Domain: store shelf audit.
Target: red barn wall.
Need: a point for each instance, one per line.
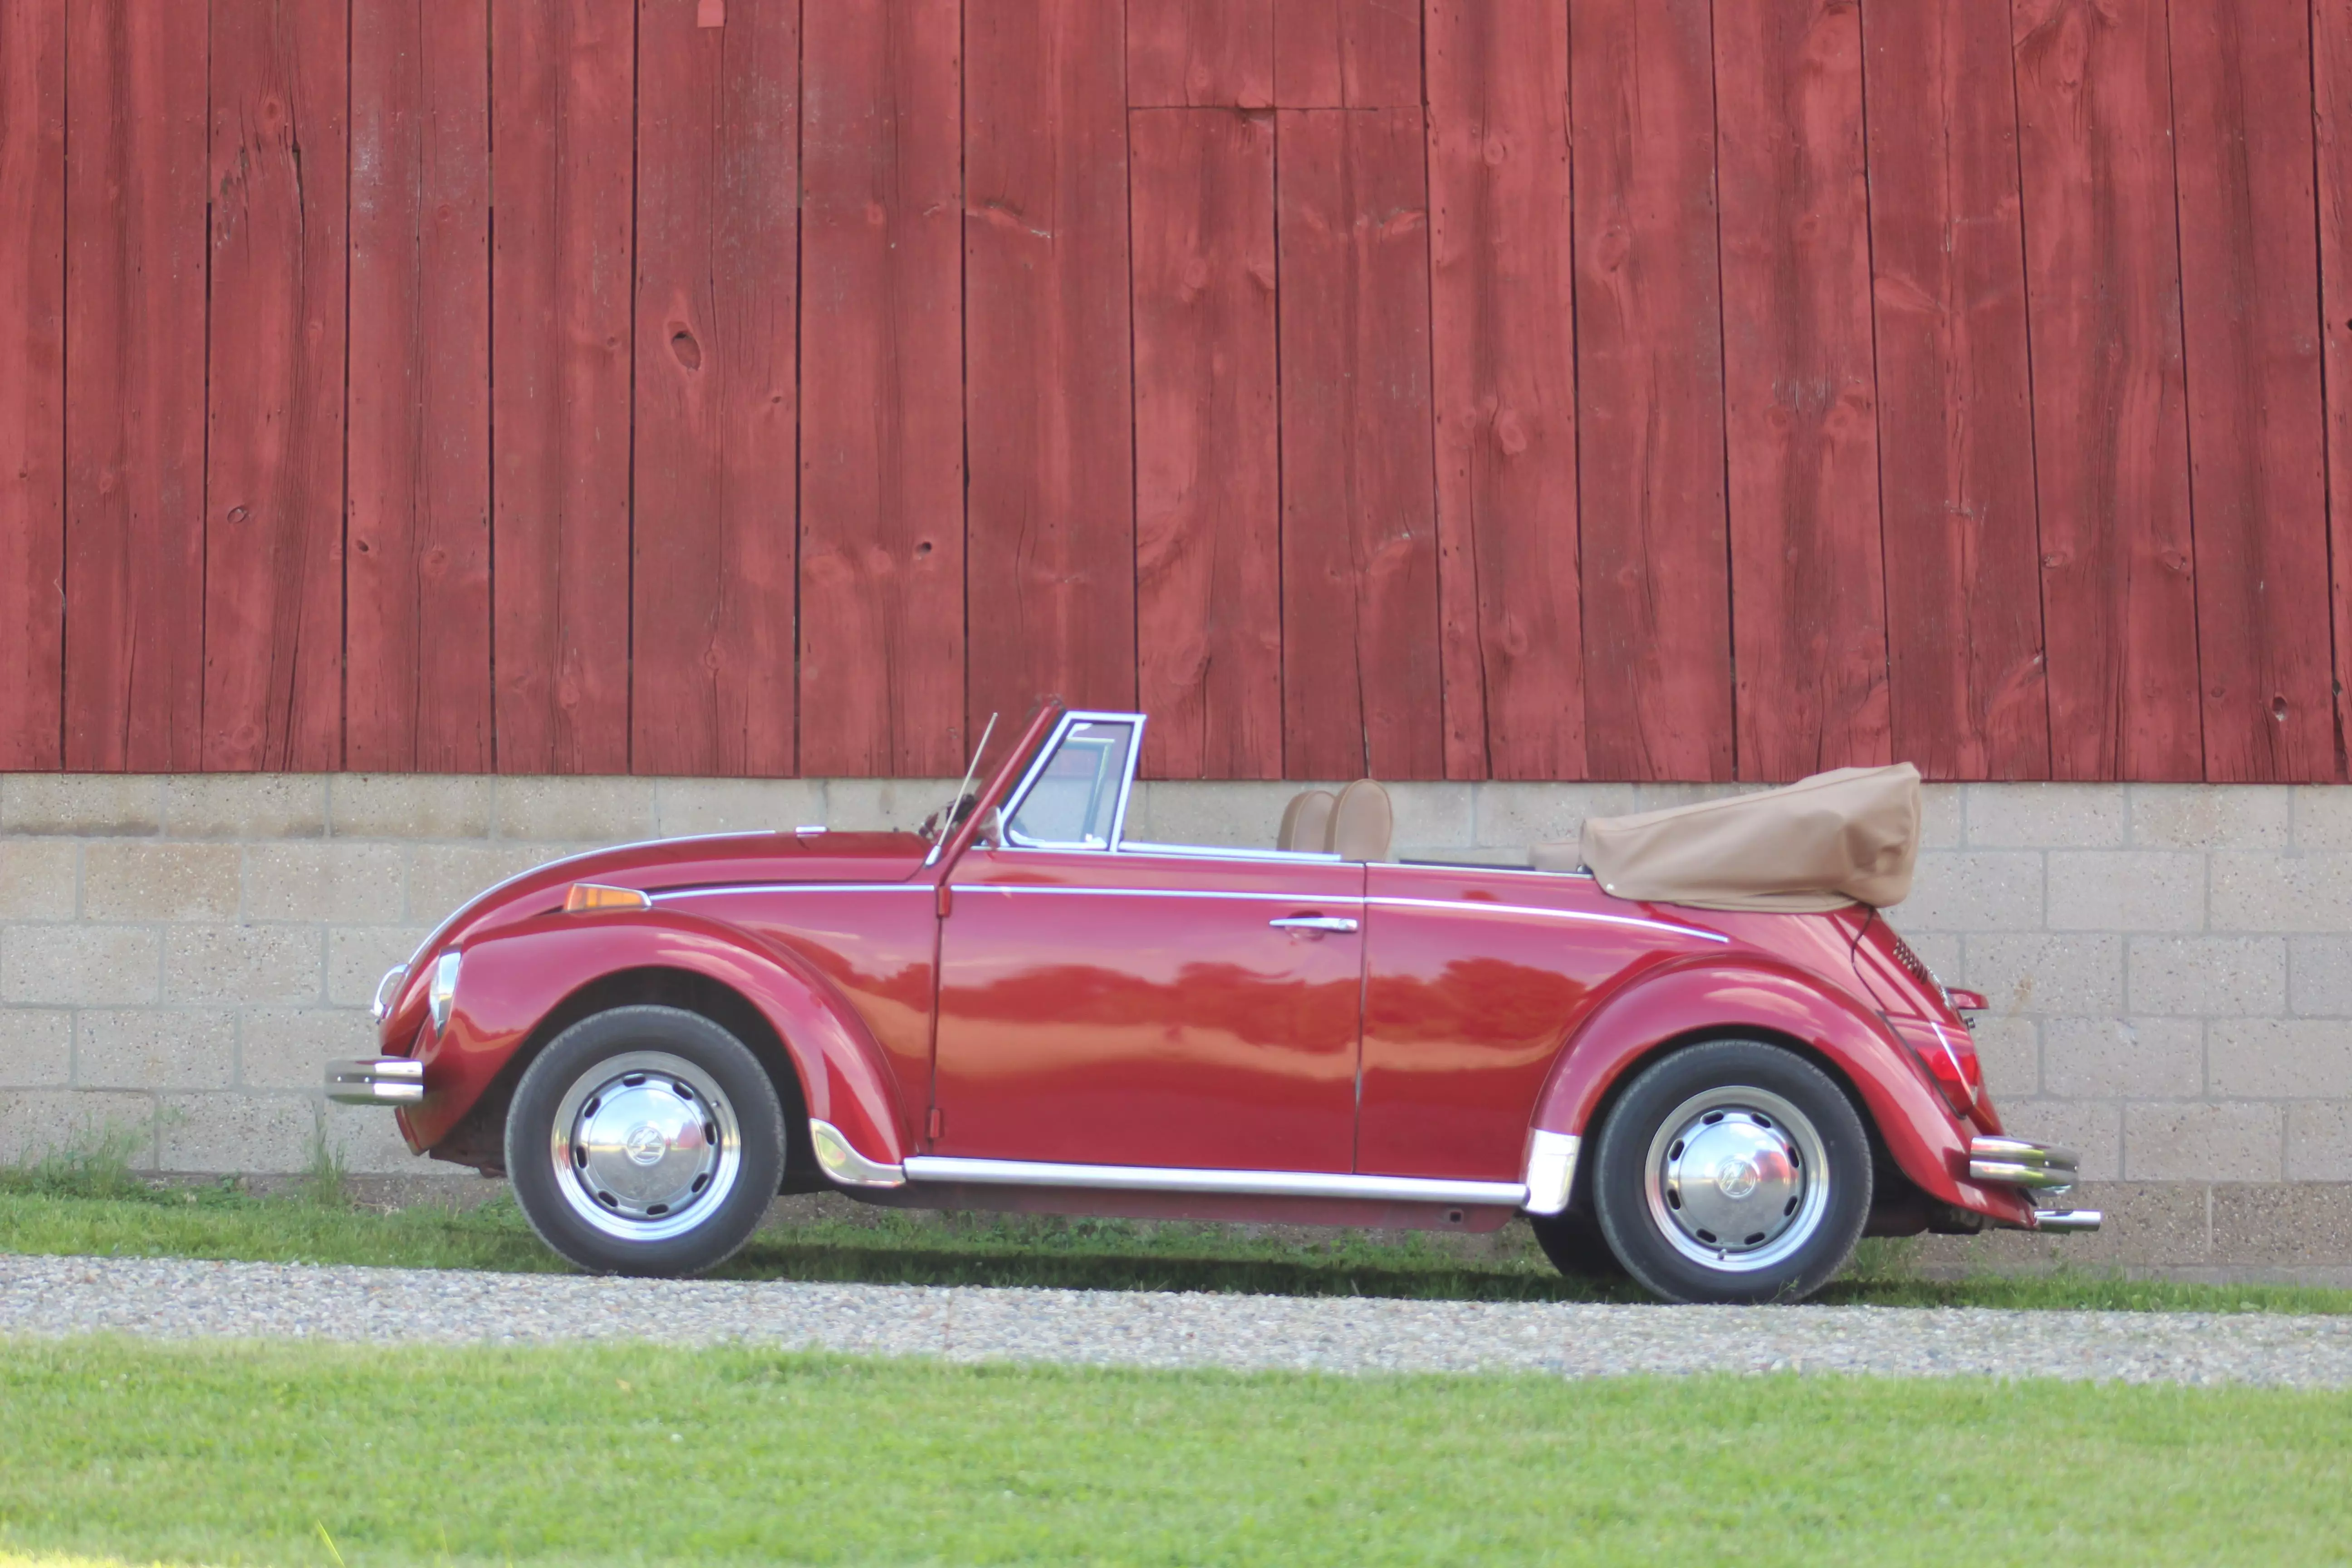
(1544, 389)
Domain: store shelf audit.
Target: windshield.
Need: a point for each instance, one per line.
(1074, 800)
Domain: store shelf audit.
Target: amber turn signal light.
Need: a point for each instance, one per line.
(589, 898)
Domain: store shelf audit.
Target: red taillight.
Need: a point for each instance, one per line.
(1949, 1055)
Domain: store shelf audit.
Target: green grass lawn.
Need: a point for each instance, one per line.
(130, 1219)
(265, 1454)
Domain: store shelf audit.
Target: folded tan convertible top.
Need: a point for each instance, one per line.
(1851, 836)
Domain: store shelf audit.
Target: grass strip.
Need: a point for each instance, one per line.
(221, 1222)
(264, 1453)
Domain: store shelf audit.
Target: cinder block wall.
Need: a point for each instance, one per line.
(2169, 966)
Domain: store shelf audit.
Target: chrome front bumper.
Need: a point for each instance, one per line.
(2043, 1170)
(378, 1080)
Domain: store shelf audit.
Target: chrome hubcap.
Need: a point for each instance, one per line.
(645, 1146)
(1738, 1179)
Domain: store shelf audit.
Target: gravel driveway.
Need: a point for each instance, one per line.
(177, 1299)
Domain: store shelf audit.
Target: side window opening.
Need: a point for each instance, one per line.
(1074, 801)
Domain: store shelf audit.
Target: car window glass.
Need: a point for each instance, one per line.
(1075, 801)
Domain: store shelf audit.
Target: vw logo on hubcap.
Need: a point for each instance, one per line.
(1736, 1178)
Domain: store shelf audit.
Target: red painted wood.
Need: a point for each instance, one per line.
(1955, 413)
(712, 682)
(2257, 442)
(135, 224)
(418, 584)
(32, 380)
(1200, 53)
(1208, 589)
(1347, 54)
(274, 409)
(1649, 393)
(1361, 687)
(1048, 403)
(2103, 291)
(881, 436)
(1502, 263)
(2331, 40)
(1809, 619)
(561, 90)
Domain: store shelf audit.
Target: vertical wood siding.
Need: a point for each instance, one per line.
(1541, 389)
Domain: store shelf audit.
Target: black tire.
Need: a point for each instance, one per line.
(1722, 1129)
(1574, 1244)
(624, 1062)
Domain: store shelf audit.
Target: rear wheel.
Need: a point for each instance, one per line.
(1733, 1172)
(645, 1141)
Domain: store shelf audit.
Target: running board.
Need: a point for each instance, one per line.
(1237, 1184)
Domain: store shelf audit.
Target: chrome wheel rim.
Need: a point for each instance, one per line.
(1737, 1179)
(645, 1146)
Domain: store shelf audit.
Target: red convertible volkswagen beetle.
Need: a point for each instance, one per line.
(1021, 1008)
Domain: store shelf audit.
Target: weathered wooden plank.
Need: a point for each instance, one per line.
(2257, 436)
(1649, 392)
(135, 226)
(1955, 417)
(562, 90)
(274, 409)
(1809, 618)
(881, 439)
(1362, 686)
(1502, 265)
(2111, 470)
(1048, 399)
(2331, 41)
(712, 682)
(1347, 54)
(1200, 53)
(32, 380)
(1208, 527)
(418, 569)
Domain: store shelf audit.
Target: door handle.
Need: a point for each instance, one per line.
(1313, 922)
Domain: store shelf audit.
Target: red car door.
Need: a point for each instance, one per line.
(1104, 1006)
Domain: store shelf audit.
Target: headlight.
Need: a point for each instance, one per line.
(443, 991)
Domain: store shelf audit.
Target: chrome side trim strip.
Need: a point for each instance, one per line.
(1357, 898)
(845, 1164)
(669, 894)
(1223, 852)
(1245, 1183)
(1479, 906)
(1551, 1171)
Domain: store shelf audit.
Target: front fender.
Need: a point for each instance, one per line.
(513, 979)
(1707, 995)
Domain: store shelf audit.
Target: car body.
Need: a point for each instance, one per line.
(1025, 1008)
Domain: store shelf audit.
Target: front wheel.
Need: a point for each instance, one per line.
(1733, 1172)
(645, 1141)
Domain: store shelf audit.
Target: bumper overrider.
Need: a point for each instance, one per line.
(376, 1080)
(2043, 1170)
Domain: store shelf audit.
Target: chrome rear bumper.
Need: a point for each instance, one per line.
(378, 1080)
(2043, 1170)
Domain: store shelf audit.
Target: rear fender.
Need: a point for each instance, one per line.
(1708, 997)
(510, 981)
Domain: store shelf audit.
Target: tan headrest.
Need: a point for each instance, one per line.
(1363, 822)
(1307, 821)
